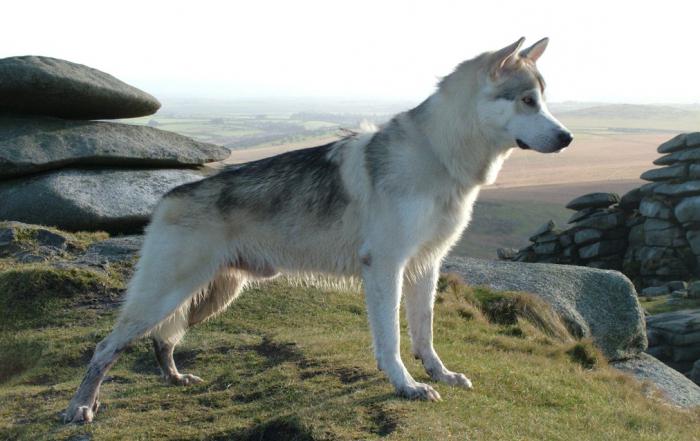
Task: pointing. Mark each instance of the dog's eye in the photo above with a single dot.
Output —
(528, 101)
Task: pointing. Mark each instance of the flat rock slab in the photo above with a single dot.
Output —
(687, 188)
(36, 85)
(113, 200)
(594, 303)
(675, 172)
(675, 387)
(678, 322)
(593, 200)
(31, 145)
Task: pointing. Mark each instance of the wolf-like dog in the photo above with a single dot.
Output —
(384, 206)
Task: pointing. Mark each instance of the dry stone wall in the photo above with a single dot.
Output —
(651, 234)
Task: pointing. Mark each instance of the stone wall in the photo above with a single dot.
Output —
(651, 234)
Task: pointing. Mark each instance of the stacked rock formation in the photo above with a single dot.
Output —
(667, 246)
(674, 338)
(60, 168)
(652, 233)
(596, 237)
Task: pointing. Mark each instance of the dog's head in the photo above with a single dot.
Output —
(511, 106)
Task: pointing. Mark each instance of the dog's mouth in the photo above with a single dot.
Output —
(522, 145)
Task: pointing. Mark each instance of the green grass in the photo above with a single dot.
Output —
(291, 362)
(657, 305)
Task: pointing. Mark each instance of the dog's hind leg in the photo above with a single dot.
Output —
(419, 295)
(175, 264)
(223, 289)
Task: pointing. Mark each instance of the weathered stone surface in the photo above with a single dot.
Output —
(687, 188)
(695, 372)
(11, 241)
(677, 322)
(587, 235)
(48, 86)
(654, 291)
(688, 210)
(648, 189)
(114, 249)
(678, 389)
(658, 225)
(694, 171)
(30, 145)
(581, 214)
(546, 248)
(636, 235)
(654, 208)
(665, 160)
(630, 200)
(692, 139)
(606, 262)
(595, 303)
(684, 155)
(506, 253)
(693, 237)
(694, 290)
(113, 200)
(543, 229)
(662, 233)
(679, 171)
(673, 145)
(603, 220)
(602, 248)
(593, 200)
(565, 240)
(676, 285)
(667, 266)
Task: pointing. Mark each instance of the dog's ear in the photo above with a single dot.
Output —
(535, 51)
(504, 57)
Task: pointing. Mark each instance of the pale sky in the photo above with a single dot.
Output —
(614, 51)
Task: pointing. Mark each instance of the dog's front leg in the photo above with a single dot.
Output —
(420, 298)
(382, 276)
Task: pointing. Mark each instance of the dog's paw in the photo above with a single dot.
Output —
(80, 414)
(184, 379)
(453, 379)
(419, 391)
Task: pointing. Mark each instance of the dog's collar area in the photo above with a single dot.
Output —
(522, 145)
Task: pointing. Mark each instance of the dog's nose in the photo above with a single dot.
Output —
(565, 139)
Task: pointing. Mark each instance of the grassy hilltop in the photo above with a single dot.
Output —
(289, 362)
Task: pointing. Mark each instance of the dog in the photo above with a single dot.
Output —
(384, 206)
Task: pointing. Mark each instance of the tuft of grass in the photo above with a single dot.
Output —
(509, 309)
(586, 354)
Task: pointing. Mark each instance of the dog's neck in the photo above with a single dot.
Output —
(451, 128)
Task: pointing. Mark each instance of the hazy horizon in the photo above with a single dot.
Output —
(599, 51)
